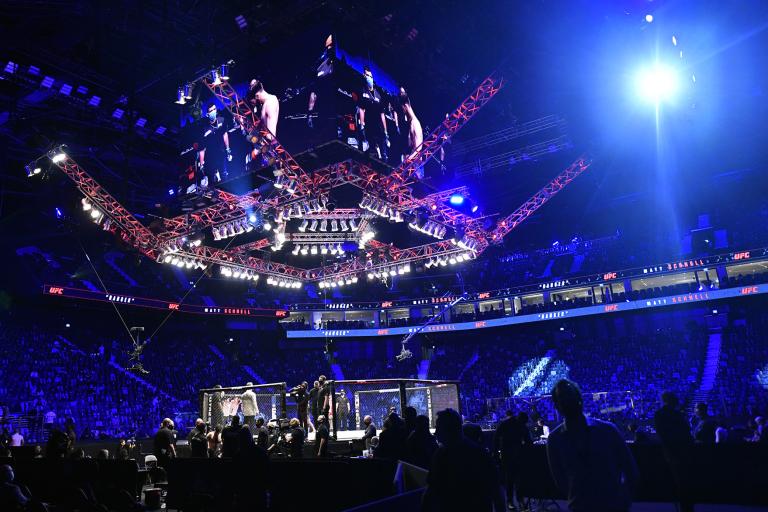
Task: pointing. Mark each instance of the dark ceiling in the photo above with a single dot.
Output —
(570, 59)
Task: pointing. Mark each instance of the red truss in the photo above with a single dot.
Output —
(527, 209)
(222, 257)
(251, 246)
(231, 207)
(260, 135)
(395, 256)
(447, 129)
(130, 229)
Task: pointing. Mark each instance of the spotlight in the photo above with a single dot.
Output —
(649, 18)
(343, 225)
(95, 213)
(324, 225)
(180, 97)
(313, 227)
(224, 71)
(188, 91)
(216, 233)
(352, 225)
(657, 84)
(58, 157)
(324, 249)
(295, 250)
(457, 199)
(303, 226)
(313, 250)
(334, 225)
(305, 250)
(252, 218)
(674, 41)
(167, 258)
(215, 77)
(33, 169)
(86, 204)
(475, 208)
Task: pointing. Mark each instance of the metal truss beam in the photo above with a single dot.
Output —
(121, 220)
(222, 257)
(447, 129)
(538, 200)
(260, 135)
(251, 246)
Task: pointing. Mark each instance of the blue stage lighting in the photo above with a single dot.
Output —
(457, 200)
(252, 218)
(656, 84)
(475, 208)
(170, 192)
(59, 214)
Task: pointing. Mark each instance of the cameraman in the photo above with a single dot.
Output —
(296, 444)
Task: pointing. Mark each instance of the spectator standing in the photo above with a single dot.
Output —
(165, 443)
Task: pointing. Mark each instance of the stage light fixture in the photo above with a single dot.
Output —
(305, 250)
(352, 225)
(656, 84)
(343, 225)
(167, 258)
(290, 187)
(341, 250)
(215, 77)
(180, 97)
(456, 199)
(334, 225)
(86, 204)
(324, 249)
(303, 226)
(324, 225)
(333, 250)
(58, 157)
(224, 71)
(649, 18)
(313, 226)
(313, 249)
(296, 249)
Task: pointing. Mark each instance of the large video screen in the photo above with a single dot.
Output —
(326, 101)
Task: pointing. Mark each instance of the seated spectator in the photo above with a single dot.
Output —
(421, 444)
(463, 475)
(11, 495)
(704, 426)
(588, 458)
(391, 439)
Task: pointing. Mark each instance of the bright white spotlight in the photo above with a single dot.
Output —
(59, 157)
(649, 18)
(656, 84)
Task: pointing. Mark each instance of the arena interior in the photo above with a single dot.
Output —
(370, 256)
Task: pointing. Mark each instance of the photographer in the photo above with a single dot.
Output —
(296, 443)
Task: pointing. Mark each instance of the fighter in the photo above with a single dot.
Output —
(414, 134)
(266, 106)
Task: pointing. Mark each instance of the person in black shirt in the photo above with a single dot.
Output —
(324, 396)
(421, 444)
(370, 431)
(122, 452)
(463, 475)
(215, 153)
(322, 435)
(302, 403)
(261, 433)
(165, 443)
(217, 409)
(409, 417)
(676, 440)
(313, 400)
(705, 427)
(230, 438)
(296, 443)
(508, 439)
(391, 439)
(198, 443)
(371, 120)
(342, 410)
(588, 458)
